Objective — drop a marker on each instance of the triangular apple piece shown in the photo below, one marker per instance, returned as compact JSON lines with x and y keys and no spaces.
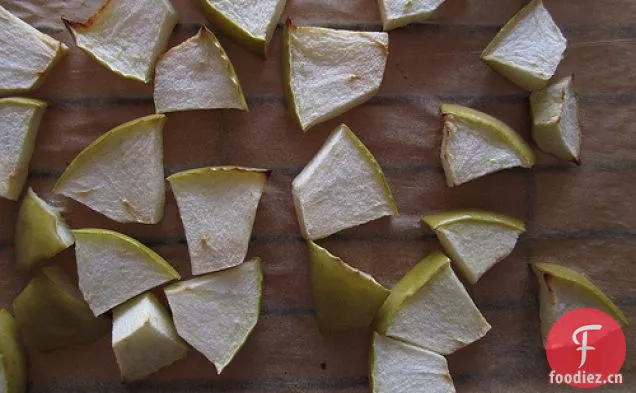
{"x":217,"y":312}
{"x":476,"y":239}
{"x":562,"y":290}
{"x":528,"y":49}
{"x":19,"y":122}
{"x":327,"y":72}
{"x":40,"y":233}
{"x":251,"y":23}
{"x":27,"y":54}
{"x":13,"y":363}
{"x":475,"y":144}
{"x":218,"y":206}
{"x":555,"y":113}
{"x":344,"y":297}
{"x":144,"y":338}
{"x":398,"y":13}
{"x":197,"y":74}
{"x":113,"y":268}
{"x":430,"y":308}
{"x":399,"y":367}
{"x":341,"y":187}
{"x":52,"y":314}
{"x":127,"y":36}
{"x":120,"y":175}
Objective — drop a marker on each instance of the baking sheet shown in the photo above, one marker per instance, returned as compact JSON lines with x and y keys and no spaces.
{"x":583,"y":217}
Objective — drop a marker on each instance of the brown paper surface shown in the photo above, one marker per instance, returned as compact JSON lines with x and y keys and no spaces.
{"x":584,"y":217}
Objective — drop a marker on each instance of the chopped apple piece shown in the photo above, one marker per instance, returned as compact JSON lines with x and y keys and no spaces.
{"x":398,"y":13}
{"x":475,"y":144}
{"x":19,"y":122}
{"x":341,"y":187}
{"x":528,"y":49}
{"x":218,"y":207}
{"x":555,"y":113}
{"x":27,"y":54}
{"x":344,"y":297}
{"x":430,"y":308}
{"x":327,"y":72}
{"x":52,"y":314}
{"x":217,"y":312}
{"x":13,"y":366}
{"x":251,"y":23}
{"x":120,"y":175}
{"x":197,"y":74}
{"x":476,"y":240}
{"x":144,"y":338}
{"x":127,"y":36}
{"x":113,"y":268}
{"x":562,"y":290}
{"x":40,"y":233}
{"x":398,"y":367}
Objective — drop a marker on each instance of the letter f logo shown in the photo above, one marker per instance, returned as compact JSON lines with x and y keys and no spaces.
{"x":583,"y":344}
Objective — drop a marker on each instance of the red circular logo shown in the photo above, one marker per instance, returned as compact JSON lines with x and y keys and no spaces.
{"x":585,"y":348}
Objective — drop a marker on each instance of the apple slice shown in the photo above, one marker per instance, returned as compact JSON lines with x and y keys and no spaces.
{"x":399,"y":367}
{"x":126,"y":36}
{"x":475,"y":239}
{"x":251,"y":23}
{"x":344,"y":297}
{"x":19,"y":122}
{"x":326,"y":72}
{"x":113,"y":268}
{"x":217,"y":312}
{"x":13,"y":366}
{"x":197,"y":74}
{"x":218,"y":206}
{"x":528,"y":49}
{"x":341,"y":187}
{"x":555,"y":113}
{"x":120,"y":175}
{"x":144,"y":338}
{"x":40,"y":233}
{"x":475,"y":144}
{"x":398,"y":13}
{"x":52,"y":314}
{"x":430,"y":308}
{"x":562,"y":290}
{"x":27,"y":54}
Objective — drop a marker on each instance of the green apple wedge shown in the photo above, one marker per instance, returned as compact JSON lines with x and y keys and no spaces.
{"x":399,"y":367}
{"x":27,"y":54}
{"x":398,"y":13}
{"x":218,"y":208}
{"x":327,"y":72}
{"x":144,"y":338}
{"x":475,"y":144}
{"x":126,"y":36}
{"x":562,"y":289}
{"x":217,"y":312}
{"x":19,"y":123}
{"x":556,"y":128}
{"x":250,"y":23}
{"x":197,"y":74}
{"x":475,"y":239}
{"x":13,"y":366}
{"x":40,"y":233}
{"x":430,"y":308}
{"x":114,"y":268}
{"x":52,"y":314}
{"x":528,"y":49}
{"x":344,"y":297}
{"x":343,"y":186}
{"x":120,"y":174}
